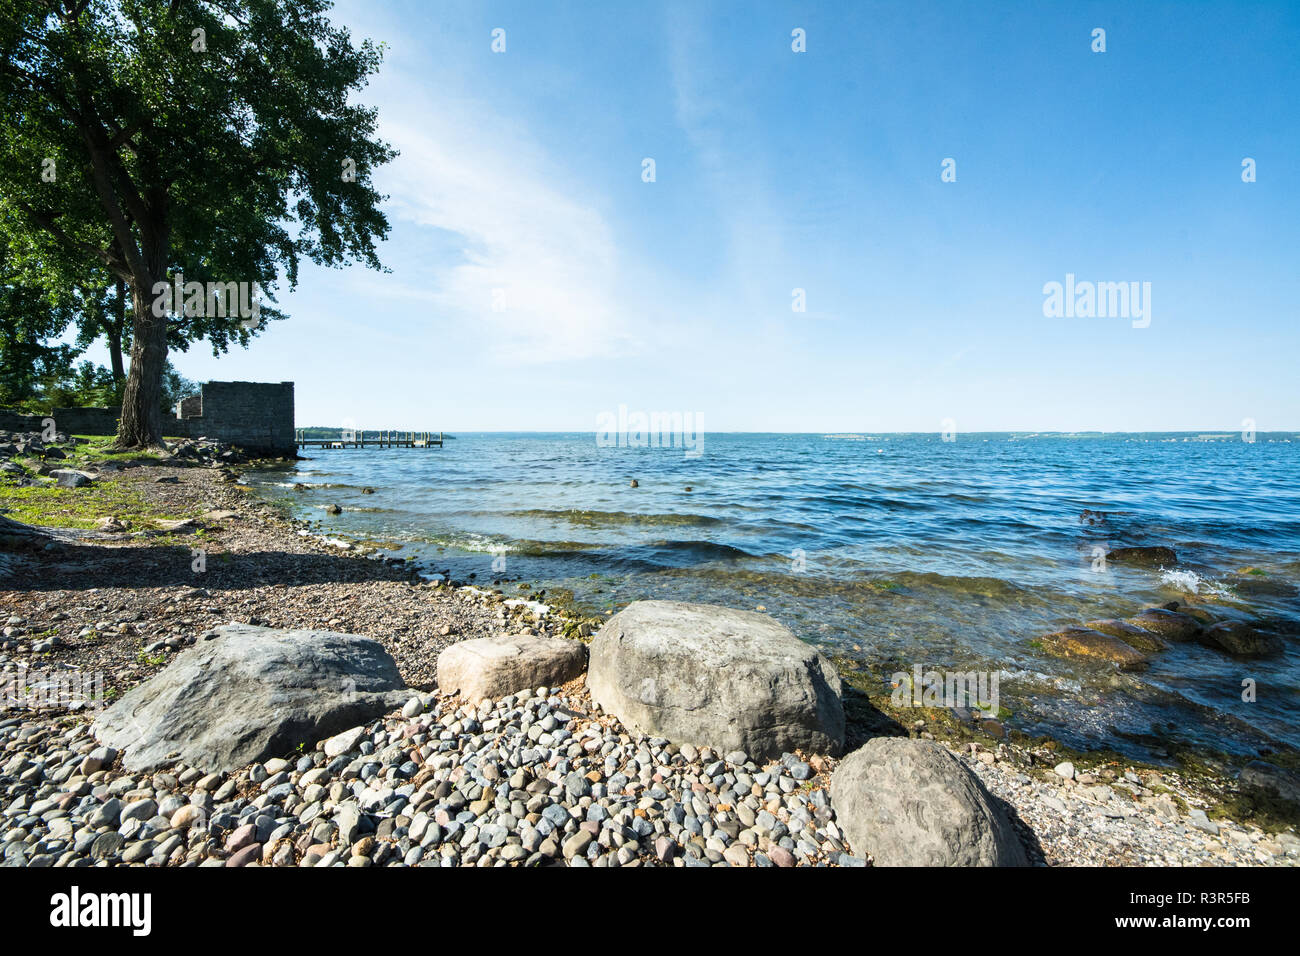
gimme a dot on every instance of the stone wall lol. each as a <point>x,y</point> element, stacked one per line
<point>190,407</point>
<point>70,421</point>
<point>256,416</point>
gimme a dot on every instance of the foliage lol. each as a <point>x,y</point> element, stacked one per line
<point>142,138</point>
<point>88,385</point>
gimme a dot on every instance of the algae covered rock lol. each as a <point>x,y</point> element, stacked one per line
<point>1171,625</point>
<point>1241,640</point>
<point>1085,643</point>
<point>1144,557</point>
<point>1136,637</point>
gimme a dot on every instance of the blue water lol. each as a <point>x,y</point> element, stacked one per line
<point>888,549</point>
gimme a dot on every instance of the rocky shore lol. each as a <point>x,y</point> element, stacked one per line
<point>529,776</point>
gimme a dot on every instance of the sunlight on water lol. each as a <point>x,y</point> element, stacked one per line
<point>950,554</point>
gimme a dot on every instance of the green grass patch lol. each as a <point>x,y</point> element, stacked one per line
<point>91,449</point>
<point>55,507</point>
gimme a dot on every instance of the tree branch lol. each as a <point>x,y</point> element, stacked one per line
<point>45,221</point>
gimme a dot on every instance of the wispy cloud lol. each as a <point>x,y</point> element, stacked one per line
<point>715,112</point>
<point>536,264</point>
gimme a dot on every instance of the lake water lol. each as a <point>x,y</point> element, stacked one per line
<point>895,550</point>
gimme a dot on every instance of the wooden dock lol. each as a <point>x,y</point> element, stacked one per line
<point>374,439</point>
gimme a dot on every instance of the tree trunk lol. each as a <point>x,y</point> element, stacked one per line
<point>114,333</point>
<point>141,422</point>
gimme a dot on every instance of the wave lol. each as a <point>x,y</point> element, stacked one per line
<point>708,550</point>
<point>1189,582</point>
<point>476,543</point>
<point>980,585</point>
<point>599,519</point>
<point>655,555</point>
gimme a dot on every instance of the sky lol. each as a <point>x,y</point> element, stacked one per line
<point>537,280</point>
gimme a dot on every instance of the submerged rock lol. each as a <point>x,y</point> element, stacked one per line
<point>729,679</point>
<point>1171,625</point>
<point>1147,557</point>
<point>911,803</point>
<point>1083,642</point>
<point>246,693</point>
<point>1252,583</point>
<point>1201,614</point>
<point>1260,777</point>
<point>1241,640</point>
<point>1136,637</point>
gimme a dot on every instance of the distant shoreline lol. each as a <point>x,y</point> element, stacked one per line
<point>323,431</point>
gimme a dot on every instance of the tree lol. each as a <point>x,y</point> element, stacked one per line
<point>27,358</point>
<point>86,385</point>
<point>102,312</point>
<point>175,387</point>
<point>151,138</point>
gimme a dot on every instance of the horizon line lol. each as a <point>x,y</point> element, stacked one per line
<point>833,433</point>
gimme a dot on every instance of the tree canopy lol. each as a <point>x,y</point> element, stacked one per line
<point>218,140</point>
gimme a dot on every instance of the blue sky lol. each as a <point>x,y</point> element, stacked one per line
<point>521,171</point>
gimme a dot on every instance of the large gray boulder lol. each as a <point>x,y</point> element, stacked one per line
<point>498,666</point>
<point>1265,778</point>
<point>243,694</point>
<point>911,803</point>
<point>717,677</point>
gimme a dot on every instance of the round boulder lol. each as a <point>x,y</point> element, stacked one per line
<point>911,803</point>
<point>498,666</point>
<point>244,694</point>
<point>717,677</point>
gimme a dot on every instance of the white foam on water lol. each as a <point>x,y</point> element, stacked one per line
<point>1189,582</point>
<point>1039,679</point>
<point>537,607</point>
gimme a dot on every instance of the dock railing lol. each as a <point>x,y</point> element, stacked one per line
<point>385,438</point>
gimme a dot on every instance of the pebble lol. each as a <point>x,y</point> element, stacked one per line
<point>536,778</point>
